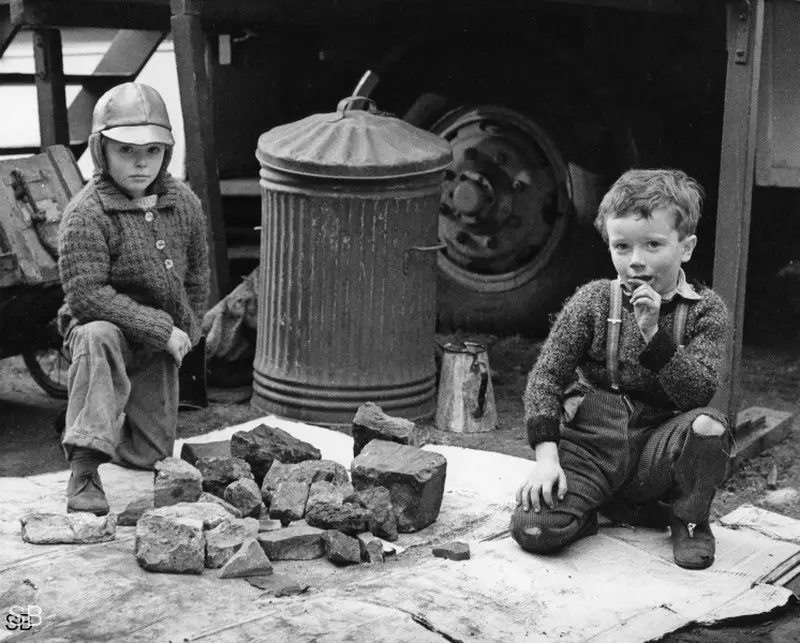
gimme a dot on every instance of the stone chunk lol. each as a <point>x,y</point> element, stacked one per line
<point>279,585</point>
<point>289,501</point>
<point>224,540</point>
<point>341,549</point>
<point>264,444</point>
<point>378,502</point>
<point>131,514</point>
<point>68,529</point>
<point>245,496</point>
<point>299,541</point>
<point>371,423</point>
<point>371,548</point>
<point>324,492</point>
<point>414,477</point>
<point>348,518</point>
<point>452,551</point>
<point>308,471</point>
<point>208,513</point>
<point>193,451</point>
<point>176,481</point>
<point>218,473</point>
<point>170,543</point>
<point>250,560</point>
<point>216,500</point>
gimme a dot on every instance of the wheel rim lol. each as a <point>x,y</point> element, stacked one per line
<point>505,200</point>
<point>50,369</point>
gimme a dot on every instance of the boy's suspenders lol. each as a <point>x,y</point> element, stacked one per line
<point>614,323</point>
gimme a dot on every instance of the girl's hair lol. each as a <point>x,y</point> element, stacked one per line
<point>640,192</point>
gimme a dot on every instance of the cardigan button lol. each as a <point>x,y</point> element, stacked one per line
<point>148,216</point>
<point>160,244</point>
<point>168,263</point>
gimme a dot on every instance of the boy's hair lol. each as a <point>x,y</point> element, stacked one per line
<point>640,192</point>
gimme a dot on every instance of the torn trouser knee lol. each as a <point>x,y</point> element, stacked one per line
<point>550,529</point>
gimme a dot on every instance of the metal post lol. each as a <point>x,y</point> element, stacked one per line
<point>201,164</point>
<point>737,166</point>
<point>52,101</point>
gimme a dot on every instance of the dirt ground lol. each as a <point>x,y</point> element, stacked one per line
<point>770,375</point>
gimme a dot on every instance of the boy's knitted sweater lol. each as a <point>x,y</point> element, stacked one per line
<point>144,271</point>
<point>659,373</point>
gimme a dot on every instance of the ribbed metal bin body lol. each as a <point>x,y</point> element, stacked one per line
<point>346,314</point>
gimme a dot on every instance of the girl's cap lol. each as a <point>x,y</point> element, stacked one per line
<point>133,113</point>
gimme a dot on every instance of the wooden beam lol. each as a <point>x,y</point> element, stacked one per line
<point>50,90</point>
<point>194,84</point>
<point>737,162</point>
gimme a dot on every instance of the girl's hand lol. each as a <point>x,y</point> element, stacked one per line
<point>546,478</point>
<point>178,345</point>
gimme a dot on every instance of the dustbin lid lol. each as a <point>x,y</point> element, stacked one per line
<point>353,144</point>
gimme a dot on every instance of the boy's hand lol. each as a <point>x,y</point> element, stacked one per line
<point>178,345</point>
<point>546,478</point>
<point>646,307</point>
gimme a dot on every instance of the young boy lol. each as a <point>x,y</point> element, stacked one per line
<point>615,406</point>
<point>134,268</point>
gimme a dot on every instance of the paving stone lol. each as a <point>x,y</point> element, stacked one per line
<point>340,548</point>
<point>371,423</point>
<point>279,585</point>
<point>308,471</point>
<point>264,444</point>
<point>414,477</point>
<point>129,516</point>
<point>193,451</point>
<point>227,506</point>
<point>453,551</point>
<point>289,501</point>
<point>224,540</point>
<point>298,541</point>
<point>209,513</point>
<point>69,529</point>
<point>245,496</point>
<point>171,543</point>
<point>267,524</point>
<point>176,481</point>
<point>383,521</point>
<point>348,518</point>
<point>218,473</point>
<point>371,548</point>
<point>249,560</point>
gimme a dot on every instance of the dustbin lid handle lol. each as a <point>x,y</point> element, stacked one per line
<point>348,102</point>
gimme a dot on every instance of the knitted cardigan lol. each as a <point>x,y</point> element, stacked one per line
<point>659,373</point>
<point>143,276</point>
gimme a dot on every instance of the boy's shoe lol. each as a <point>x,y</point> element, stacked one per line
<point>693,546</point>
<point>85,493</point>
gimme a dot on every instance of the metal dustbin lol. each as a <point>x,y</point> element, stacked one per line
<point>347,295</point>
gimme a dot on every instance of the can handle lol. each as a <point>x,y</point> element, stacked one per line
<point>407,253</point>
<point>350,100</point>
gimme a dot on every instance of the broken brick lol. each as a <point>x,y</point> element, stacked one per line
<point>371,423</point>
<point>452,551</point>
<point>249,560</point>
<point>218,473</point>
<point>176,481</point>
<point>340,548</point>
<point>264,444</point>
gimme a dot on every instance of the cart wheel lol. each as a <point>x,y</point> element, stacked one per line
<point>49,368</point>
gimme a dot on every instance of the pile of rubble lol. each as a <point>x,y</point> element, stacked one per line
<point>265,496</point>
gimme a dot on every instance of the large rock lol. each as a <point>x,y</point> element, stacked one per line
<point>414,477</point>
<point>170,543</point>
<point>308,471</point>
<point>348,518</point>
<point>224,541</point>
<point>218,473</point>
<point>341,549</point>
<point>326,493</point>
<point>193,451</point>
<point>208,513</point>
<point>264,444</point>
<point>176,481</point>
<point>289,501</point>
<point>298,541</point>
<point>249,560</point>
<point>371,423</point>
<point>69,529</point>
<point>227,506</point>
<point>378,501</point>
<point>245,495</point>
<point>131,514</point>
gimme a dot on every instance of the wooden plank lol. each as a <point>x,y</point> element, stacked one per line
<point>194,83</point>
<point>50,90</point>
<point>759,429</point>
<point>737,163</point>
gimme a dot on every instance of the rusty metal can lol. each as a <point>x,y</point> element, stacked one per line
<point>347,302</point>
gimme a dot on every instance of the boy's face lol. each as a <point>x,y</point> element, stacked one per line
<point>649,250</point>
<point>133,167</point>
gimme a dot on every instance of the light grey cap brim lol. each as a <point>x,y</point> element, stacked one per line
<point>140,134</point>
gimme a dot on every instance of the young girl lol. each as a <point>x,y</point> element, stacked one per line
<point>133,261</point>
